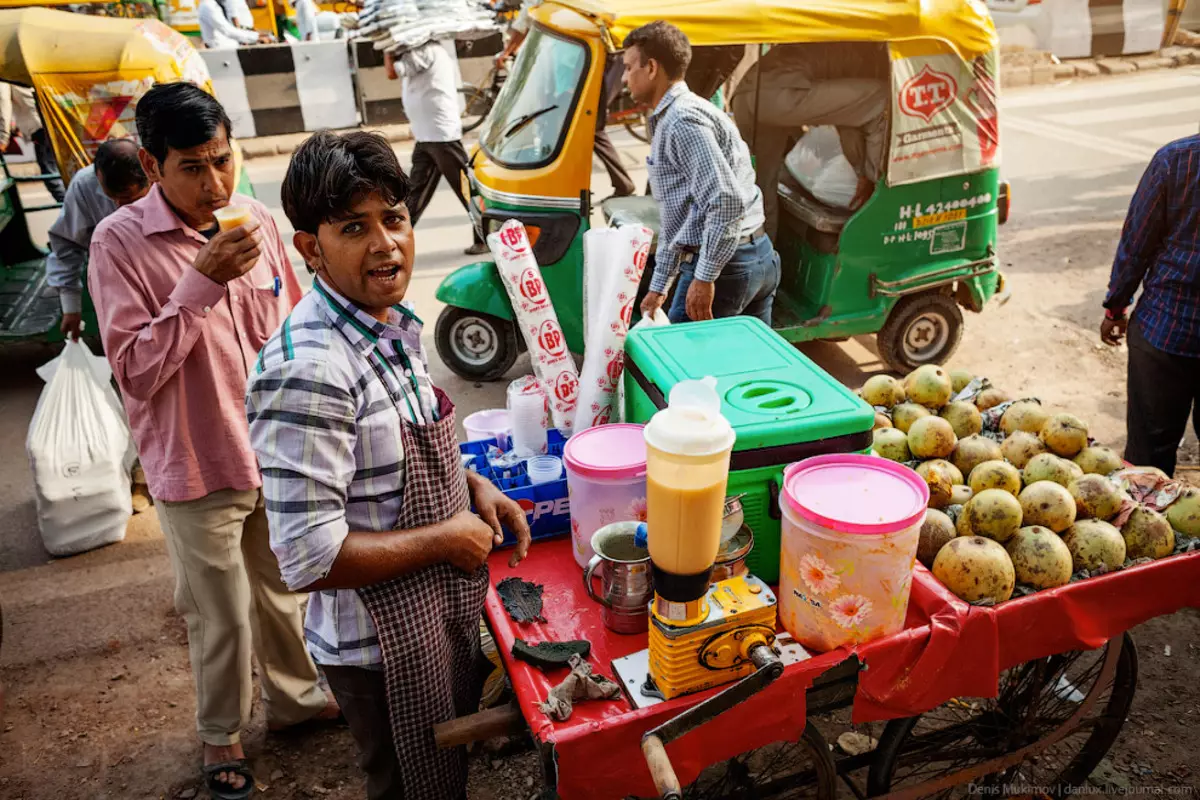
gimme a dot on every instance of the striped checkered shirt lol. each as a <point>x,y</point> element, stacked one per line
<point>324,403</point>
<point>701,175</point>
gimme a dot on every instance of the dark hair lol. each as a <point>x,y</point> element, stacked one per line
<point>664,43</point>
<point>178,116</point>
<point>329,173</point>
<point>118,166</point>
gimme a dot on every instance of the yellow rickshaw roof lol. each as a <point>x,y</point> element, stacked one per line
<point>42,41</point>
<point>965,25</point>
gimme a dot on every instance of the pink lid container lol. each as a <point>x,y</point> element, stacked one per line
<point>607,452</point>
<point>854,493</point>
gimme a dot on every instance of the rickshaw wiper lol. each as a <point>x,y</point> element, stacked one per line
<point>526,119</point>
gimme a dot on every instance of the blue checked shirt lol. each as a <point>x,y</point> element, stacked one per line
<point>701,175</point>
<point>1160,251</point>
<point>324,404</point>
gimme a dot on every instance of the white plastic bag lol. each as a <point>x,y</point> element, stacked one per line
<point>614,259</point>
<point>81,453</point>
<point>818,164</point>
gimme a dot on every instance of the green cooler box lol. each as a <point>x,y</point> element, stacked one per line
<point>783,407</point>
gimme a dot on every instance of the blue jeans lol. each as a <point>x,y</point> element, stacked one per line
<point>746,286</point>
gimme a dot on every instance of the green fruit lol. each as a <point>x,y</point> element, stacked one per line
<point>975,569</point>
<point>1065,435</point>
<point>1023,415</point>
<point>929,385</point>
<point>959,378</point>
<point>1094,545</point>
<point>1147,534</point>
<point>892,444</point>
<point>1098,460</point>
<point>993,513</point>
<point>1021,446</point>
<point>1184,513</point>
<point>964,418</point>
<point>883,390</point>
<point>1040,557</point>
<point>973,451</point>
<point>1049,467</point>
<point>1096,497</point>
<point>905,414</point>
<point>931,437</point>
<point>990,398</point>
<point>1048,504</point>
<point>995,475</point>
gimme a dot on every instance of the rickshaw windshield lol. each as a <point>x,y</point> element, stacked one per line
<point>528,122</point>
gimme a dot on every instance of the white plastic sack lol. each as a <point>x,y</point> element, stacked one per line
<point>81,453</point>
<point>818,164</point>
<point>613,262</point>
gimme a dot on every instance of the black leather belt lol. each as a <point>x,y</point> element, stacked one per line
<point>690,253</point>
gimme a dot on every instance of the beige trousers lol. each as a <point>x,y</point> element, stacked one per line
<point>228,589</point>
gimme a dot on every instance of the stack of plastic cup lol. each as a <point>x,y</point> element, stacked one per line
<point>527,415</point>
<point>543,469</point>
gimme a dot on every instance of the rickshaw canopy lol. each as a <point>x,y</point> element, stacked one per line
<point>37,41</point>
<point>964,25</point>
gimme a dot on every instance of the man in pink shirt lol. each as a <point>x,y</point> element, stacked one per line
<point>183,310</point>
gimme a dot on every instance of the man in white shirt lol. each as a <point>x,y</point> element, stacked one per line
<point>218,33</point>
<point>430,95</point>
<point>306,20</point>
<point>18,107</point>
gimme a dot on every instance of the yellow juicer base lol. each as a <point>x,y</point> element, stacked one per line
<point>699,652</point>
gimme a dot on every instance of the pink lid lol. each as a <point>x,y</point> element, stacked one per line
<point>608,452</point>
<point>854,493</point>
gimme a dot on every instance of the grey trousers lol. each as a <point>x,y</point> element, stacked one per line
<point>790,100</point>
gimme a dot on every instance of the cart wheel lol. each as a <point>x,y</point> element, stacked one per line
<point>780,771</point>
<point>474,345</point>
<point>922,329</point>
<point>1035,698</point>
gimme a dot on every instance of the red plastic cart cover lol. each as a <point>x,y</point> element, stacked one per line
<point>1079,616</point>
<point>598,752</point>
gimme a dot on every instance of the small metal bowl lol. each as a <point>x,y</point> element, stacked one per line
<point>734,517</point>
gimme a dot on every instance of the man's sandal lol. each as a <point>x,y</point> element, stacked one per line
<point>221,790</point>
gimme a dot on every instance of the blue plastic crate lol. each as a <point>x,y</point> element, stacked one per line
<point>547,505</point>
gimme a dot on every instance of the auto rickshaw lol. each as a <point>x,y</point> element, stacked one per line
<point>902,266</point>
<point>87,73</point>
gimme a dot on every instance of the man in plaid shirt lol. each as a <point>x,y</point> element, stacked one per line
<point>1160,252</point>
<point>700,172</point>
<point>327,402</point>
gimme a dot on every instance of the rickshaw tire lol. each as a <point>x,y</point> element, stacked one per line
<point>890,750</point>
<point>890,339</point>
<point>494,368</point>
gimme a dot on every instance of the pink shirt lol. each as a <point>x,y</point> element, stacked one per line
<point>181,345</point>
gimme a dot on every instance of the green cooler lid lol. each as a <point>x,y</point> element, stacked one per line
<point>771,393</point>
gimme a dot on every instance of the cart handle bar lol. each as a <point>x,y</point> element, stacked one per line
<point>654,742</point>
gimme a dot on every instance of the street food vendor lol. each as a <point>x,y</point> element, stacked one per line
<point>368,502</point>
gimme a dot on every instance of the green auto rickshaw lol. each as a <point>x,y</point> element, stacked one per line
<point>902,266</point>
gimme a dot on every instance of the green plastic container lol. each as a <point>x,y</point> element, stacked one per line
<point>783,407</point>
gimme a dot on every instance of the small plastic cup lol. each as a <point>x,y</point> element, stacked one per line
<point>543,469</point>
<point>231,217</point>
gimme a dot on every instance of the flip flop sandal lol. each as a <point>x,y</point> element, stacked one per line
<point>220,790</point>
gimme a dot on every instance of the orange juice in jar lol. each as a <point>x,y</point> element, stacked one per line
<point>688,445</point>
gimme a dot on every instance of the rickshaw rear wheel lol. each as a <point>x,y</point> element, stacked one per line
<point>799,770</point>
<point>922,329</point>
<point>1035,698</point>
<point>474,345</point>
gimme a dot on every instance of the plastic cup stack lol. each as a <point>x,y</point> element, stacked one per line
<point>527,415</point>
<point>543,469</point>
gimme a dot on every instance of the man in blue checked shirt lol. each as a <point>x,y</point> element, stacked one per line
<point>1160,252</point>
<point>700,172</point>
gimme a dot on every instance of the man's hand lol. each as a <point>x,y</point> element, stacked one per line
<point>700,300</point>
<point>495,508</point>
<point>71,325</point>
<point>469,542</point>
<point>651,303</point>
<point>1112,331</point>
<point>265,38</point>
<point>229,254</point>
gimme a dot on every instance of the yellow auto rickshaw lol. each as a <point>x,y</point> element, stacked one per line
<point>87,74</point>
<point>901,266</point>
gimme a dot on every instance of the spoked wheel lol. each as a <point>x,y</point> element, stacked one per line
<point>1035,700</point>
<point>476,105</point>
<point>639,128</point>
<point>801,770</point>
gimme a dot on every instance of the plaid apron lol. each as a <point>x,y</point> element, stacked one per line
<point>428,622</point>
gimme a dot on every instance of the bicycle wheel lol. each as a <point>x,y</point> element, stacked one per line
<point>639,128</point>
<point>1035,698</point>
<point>476,105</point>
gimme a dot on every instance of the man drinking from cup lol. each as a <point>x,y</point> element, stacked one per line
<point>185,301</point>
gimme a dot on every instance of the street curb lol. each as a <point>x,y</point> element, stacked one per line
<point>286,144</point>
<point>1033,68</point>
